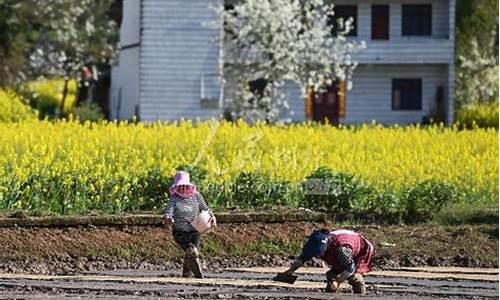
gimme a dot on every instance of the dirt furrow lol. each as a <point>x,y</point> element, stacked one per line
<point>243,284</point>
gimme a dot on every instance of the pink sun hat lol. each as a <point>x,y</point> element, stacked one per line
<point>182,178</point>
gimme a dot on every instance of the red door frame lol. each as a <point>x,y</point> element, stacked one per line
<point>325,105</point>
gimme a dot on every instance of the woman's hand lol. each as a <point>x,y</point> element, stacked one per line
<point>167,220</point>
<point>332,287</point>
<point>213,221</point>
<point>293,267</point>
<point>288,272</point>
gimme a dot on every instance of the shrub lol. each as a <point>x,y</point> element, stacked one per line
<point>256,189</point>
<point>152,190</point>
<point>480,115</point>
<point>336,192</point>
<point>384,207</point>
<point>13,108</point>
<point>88,112</point>
<point>427,198</point>
<point>467,213</point>
<point>46,96</point>
<point>250,189</point>
<point>217,195</point>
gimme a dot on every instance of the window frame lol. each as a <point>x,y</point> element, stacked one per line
<point>407,84</point>
<point>387,34</point>
<point>335,28</point>
<point>416,19</point>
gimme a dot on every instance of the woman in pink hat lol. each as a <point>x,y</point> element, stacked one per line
<point>184,205</point>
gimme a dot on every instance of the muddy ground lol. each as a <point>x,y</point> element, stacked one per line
<point>143,262</point>
<point>80,249</point>
<point>256,283</point>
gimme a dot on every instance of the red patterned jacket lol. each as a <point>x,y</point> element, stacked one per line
<point>362,249</point>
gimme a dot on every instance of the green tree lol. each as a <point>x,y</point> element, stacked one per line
<point>73,33</point>
<point>54,37</point>
<point>476,19</point>
<point>15,25</point>
<point>477,51</point>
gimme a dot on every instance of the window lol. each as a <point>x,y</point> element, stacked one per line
<point>417,20</point>
<point>342,13</point>
<point>380,22</point>
<point>257,87</point>
<point>407,94</point>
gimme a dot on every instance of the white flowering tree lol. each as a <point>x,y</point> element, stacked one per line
<point>477,76</point>
<point>273,41</point>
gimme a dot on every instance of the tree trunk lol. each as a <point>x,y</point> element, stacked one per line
<point>65,93</point>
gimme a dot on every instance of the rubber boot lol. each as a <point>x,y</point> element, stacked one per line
<point>358,284</point>
<point>186,271</point>
<point>193,261</point>
<point>328,288</point>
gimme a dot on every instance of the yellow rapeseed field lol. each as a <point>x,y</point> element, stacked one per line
<point>49,92</point>
<point>100,162</point>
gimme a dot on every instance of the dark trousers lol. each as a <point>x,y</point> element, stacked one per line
<point>189,242</point>
<point>186,239</point>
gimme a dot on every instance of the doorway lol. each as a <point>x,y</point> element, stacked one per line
<point>325,105</point>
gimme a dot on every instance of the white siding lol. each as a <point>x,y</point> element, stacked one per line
<point>410,52</point>
<point>451,68</point>
<point>177,49</point>
<point>440,17</point>
<point>371,95</point>
<point>124,92</point>
<point>130,28</point>
<point>430,58</point>
<point>296,101</point>
<point>124,100</point>
<point>426,51</point>
<point>292,93</point>
<point>433,49</point>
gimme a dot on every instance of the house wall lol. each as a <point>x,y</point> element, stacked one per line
<point>292,91</point>
<point>130,30</point>
<point>177,49</point>
<point>450,104</point>
<point>437,48</point>
<point>371,95</point>
<point>124,100</point>
<point>124,92</point>
<point>440,17</point>
<point>296,101</point>
<point>430,58</point>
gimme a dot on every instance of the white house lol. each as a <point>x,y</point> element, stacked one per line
<point>169,66</point>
